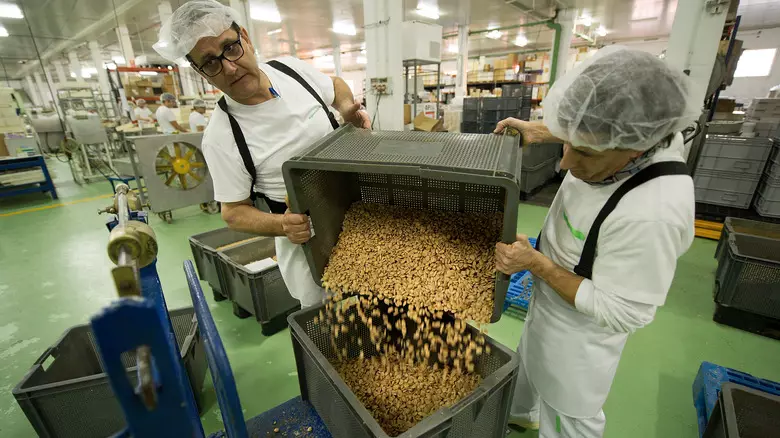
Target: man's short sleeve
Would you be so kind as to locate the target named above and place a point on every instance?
(232, 183)
(321, 82)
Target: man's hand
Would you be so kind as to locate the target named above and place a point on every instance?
(296, 227)
(516, 257)
(355, 115)
(532, 132)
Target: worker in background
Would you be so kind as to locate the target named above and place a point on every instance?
(275, 111)
(609, 246)
(197, 120)
(142, 112)
(165, 116)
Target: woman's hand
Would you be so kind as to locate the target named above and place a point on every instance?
(519, 256)
(356, 116)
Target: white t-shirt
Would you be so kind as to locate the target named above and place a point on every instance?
(196, 119)
(571, 353)
(275, 131)
(143, 113)
(164, 118)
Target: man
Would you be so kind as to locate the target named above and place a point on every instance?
(274, 110)
(197, 121)
(166, 118)
(142, 112)
(609, 246)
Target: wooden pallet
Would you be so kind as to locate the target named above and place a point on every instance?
(708, 230)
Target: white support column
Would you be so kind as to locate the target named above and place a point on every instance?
(125, 44)
(60, 69)
(97, 59)
(566, 20)
(337, 55)
(186, 81)
(291, 40)
(382, 20)
(75, 66)
(461, 80)
(43, 90)
(32, 91)
(693, 43)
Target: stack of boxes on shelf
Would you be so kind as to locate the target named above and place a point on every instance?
(767, 200)
(729, 169)
(480, 115)
(765, 112)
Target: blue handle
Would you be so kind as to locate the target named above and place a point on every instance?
(219, 366)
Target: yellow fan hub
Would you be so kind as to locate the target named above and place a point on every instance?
(181, 166)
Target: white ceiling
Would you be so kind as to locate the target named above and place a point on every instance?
(60, 26)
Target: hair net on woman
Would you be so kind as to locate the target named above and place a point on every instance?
(167, 97)
(199, 103)
(619, 98)
(194, 20)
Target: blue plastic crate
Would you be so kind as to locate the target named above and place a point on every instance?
(520, 286)
(707, 385)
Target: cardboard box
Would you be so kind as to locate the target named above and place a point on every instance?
(725, 105)
(499, 75)
(3, 148)
(499, 64)
(511, 60)
(407, 114)
(422, 123)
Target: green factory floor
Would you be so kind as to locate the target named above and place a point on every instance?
(54, 274)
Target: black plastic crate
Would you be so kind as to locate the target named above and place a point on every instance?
(749, 278)
(470, 115)
(501, 103)
(423, 170)
(733, 225)
(66, 393)
(259, 293)
(525, 114)
(483, 413)
(471, 103)
(515, 90)
(204, 252)
(470, 128)
(537, 176)
(743, 412)
(747, 321)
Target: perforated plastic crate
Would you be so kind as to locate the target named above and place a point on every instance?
(734, 154)
(66, 393)
(733, 225)
(261, 293)
(483, 413)
(421, 170)
(707, 386)
(204, 252)
(744, 412)
(750, 276)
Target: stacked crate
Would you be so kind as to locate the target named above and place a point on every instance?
(729, 169)
(767, 200)
(539, 165)
(481, 114)
(765, 112)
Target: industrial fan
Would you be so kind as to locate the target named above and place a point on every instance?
(175, 173)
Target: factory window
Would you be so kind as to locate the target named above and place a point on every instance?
(755, 63)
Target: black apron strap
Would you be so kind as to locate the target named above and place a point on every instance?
(243, 149)
(585, 267)
(294, 74)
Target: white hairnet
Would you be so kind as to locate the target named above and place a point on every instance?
(619, 98)
(199, 103)
(192, 21)
(139, 101)
(167, 97)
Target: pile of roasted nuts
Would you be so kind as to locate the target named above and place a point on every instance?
(402, 344)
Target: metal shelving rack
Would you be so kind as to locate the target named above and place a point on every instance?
(13, 166)
(414, 63)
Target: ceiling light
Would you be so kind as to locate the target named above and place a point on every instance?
(147, 73)
(344, 28)
(170, 68)
(73, 75)
(428, 11)
(361, 60)
(3, 32)
(602, 31)
(317, 52)
(267, 13)
(586, 20)
(275, 31)
(521, 40)
(85, 75)
(109, 65)
(494, 34)
(452, 48)
(119, 59)
(10, 10)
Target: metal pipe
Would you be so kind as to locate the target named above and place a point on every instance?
(122, 211)
(514, 26)
(556, 48)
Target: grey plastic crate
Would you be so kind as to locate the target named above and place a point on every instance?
(535, 177)
(483, 413)
(733, 225)
(471, 103)
(767, 208)
(500, 103)
(744, 412)
(773, 168)
(204, 252)
(70, 396)
(423, 170)
(769, 189)
(470, 127)
(734, 154)
(724, 188)
(470, 115)
(536, 154)
(750, 275)
(264, 293)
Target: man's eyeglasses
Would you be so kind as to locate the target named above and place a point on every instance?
(232, 52)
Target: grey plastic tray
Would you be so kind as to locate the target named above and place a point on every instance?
(532, 179)
(422, 170)
(767, 208)
(264, 293)
(749, 275)
(70, 397)
(734, 154)
(204, 252)
(483, 413)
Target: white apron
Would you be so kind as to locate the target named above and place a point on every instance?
(296, 273)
